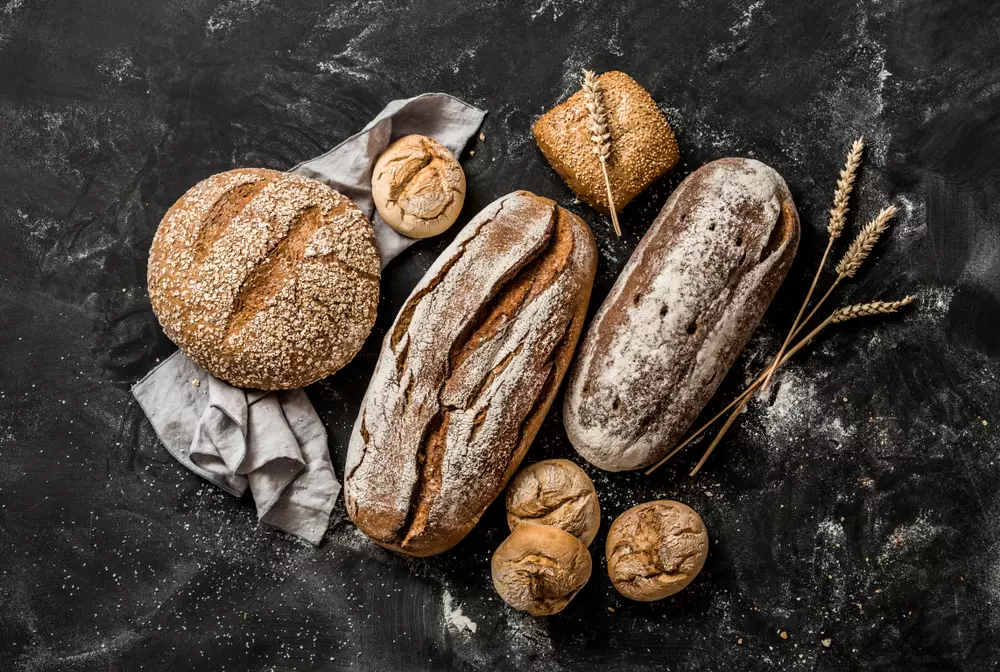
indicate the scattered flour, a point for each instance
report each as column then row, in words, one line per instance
column 453, row 616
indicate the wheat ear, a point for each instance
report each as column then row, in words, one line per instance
column 840, row 315
column 600, row 134
column 838, row 218
column 851, row 262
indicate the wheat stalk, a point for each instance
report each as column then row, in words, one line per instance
column 866, row 309
column 600, row 134
column 862, row 246
column 851, row 262
column 845, row 185
column 838, row 217
column 840, row 315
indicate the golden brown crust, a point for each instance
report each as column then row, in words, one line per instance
column 540, row 569
column 557, row 493
column 643, row 147
column 656, row 549
column 418, row 186
column 266, row 279
column 467, row 374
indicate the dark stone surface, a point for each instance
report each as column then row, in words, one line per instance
column 858, row 503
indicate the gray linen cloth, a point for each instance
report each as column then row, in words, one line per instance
column 274, row 442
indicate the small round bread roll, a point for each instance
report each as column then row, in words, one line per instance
column 557, row 493
column 418, row 186
column 655, row 550
column 539, row 569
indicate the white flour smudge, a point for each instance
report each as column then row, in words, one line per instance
column 453, row 616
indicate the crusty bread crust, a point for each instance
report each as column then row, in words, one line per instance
column 690, row 297
column 467, row 373
column 643, row 147
column 266, row 279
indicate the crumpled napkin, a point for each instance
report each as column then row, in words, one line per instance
column 274, row 442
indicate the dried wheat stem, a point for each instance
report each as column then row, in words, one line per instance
column 838, row 217
column 839, row 315
column 862, row 246
column 845, row 185
column 600, row 134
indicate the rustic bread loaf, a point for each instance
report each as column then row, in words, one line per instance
column 540, row 569
column 557, row 493
column 643, row 147
column 418, row 186
column 266, row 279
column 655, row 550
column 681, row 311
column 467, row 373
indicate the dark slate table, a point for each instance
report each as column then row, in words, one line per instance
column 856, row 504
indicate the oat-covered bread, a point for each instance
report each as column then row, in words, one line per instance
column 557, row 493
column 655, row 550
column 686, row 303
column 467, row 372
column 266, row 279
column 643, row 147
column 540, row 569
column 418, row 186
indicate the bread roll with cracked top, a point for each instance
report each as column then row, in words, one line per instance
column 540, row 569
column 266, row 279
column 686, row 303
column 656, row 549
column 557, row 493
column 418, row 186
column 467, row 372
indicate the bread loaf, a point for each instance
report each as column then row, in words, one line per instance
column 681, row 311
column 467, row 373
column 266, row 279
column 418, row 186
column 655, row 550
column 643, row 147
column 540, row 569
column 557, row 493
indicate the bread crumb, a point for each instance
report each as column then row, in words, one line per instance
column 611, row 609
column 740, row 641
column 196, row 382
column 827, row 643
column 985, row 423
column 472, row 152
column 482, row 136
column 783, row 635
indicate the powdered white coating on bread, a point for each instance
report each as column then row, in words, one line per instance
column 680, row 312
column 266, row 279
column 467, row 372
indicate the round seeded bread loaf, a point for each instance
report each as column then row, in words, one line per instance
column 266, row 279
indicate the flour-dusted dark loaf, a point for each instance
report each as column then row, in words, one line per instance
column 679, row 314
column 266, row 279
column 467, row 373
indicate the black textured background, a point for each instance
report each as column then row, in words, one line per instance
column 858, row 503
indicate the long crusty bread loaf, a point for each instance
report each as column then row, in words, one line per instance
column 266, row 279
column 681, row 311
column 467, row 372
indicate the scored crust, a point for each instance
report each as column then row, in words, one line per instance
column 418, row 186
column 655, row 549
column 557, row 493
column 266, row 279
column 643, row 147
column 467, row 373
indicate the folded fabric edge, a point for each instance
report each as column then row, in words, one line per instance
column 378, row 117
